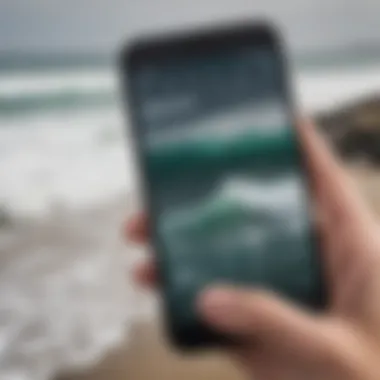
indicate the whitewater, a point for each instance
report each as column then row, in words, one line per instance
column 59, row 157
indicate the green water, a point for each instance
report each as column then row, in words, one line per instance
column 202, row 155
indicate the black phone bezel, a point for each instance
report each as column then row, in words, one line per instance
column 155, row 48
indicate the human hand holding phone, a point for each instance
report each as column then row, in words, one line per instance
column 280, row 340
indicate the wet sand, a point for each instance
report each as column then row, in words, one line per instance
column 148, row 357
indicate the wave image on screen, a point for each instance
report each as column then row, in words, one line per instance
column 230, row 202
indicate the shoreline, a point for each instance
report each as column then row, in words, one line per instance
column 68, row 290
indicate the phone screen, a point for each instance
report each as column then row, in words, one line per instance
column 227, row 188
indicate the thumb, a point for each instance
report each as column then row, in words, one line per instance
column 258, row 317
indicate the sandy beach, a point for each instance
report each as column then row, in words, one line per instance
column 149, row 357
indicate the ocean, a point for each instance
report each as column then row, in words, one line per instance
column 62, row 140
column 63, row 159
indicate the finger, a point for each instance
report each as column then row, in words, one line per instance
column 145, row 274
column 332, row 185
column 136, row 228
column 326, row 239
column 259, row 317
column 339, row 206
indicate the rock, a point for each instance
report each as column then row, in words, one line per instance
column 5, row 217
column 355, row 130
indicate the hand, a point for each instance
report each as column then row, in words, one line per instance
column 283, row 342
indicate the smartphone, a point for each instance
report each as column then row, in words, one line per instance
column 222, row 170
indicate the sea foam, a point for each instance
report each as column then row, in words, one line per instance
column 82, row 157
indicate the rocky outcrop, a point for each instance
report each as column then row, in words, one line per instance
column 5, row 217
column 355, row 130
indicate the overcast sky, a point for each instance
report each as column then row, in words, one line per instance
column 100, row 25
